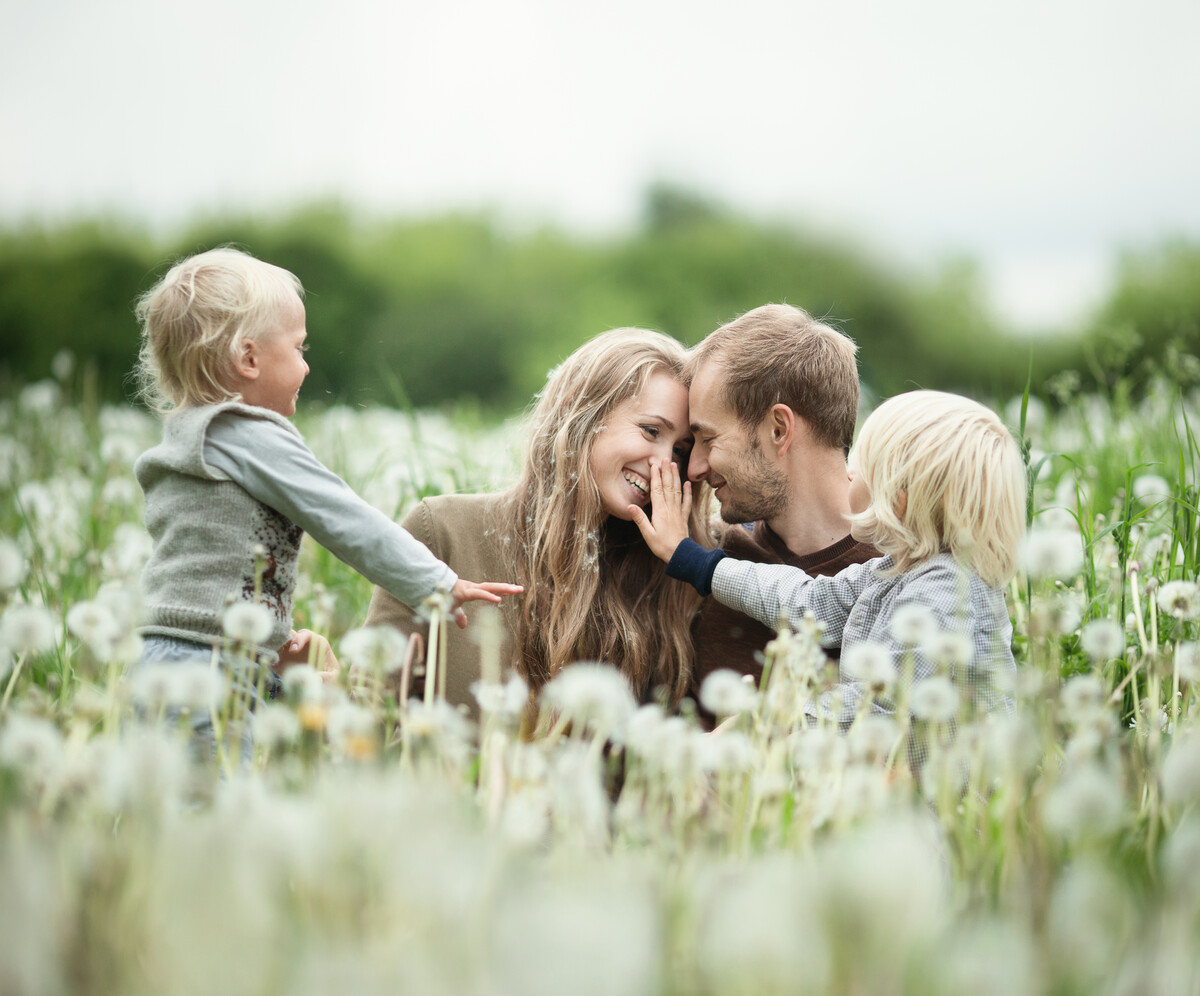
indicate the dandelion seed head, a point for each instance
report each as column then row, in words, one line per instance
column 1187, row 660
column 275, row 725
column 871, row 664
column 871, row 739
column 1150, row 489
column 28, row 629
column 935, row 699
column 506, row 700
column 729, row 752
column 1102, row 640
column 12, row 565
column 913, row 624
column 1052, row 554
column 374, row 648
column 247, row 622
column 1180, row 599
column 95, row 626
column 595, row 695
column 1082, row 695
column 1087, row 802
column 1181, row 771
column 724, row 693
column 31, row 746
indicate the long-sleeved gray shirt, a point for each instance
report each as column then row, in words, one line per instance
column 278, row 469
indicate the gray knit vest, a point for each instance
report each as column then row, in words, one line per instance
column 205, row 530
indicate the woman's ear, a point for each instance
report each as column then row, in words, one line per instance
column 901, row 505
column 247, row 365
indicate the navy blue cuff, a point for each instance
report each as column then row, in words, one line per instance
column 692, row 563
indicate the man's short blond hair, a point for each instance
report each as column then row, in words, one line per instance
column 945, row 476
column 778, row 354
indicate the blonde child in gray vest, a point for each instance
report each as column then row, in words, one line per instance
column 232, row 487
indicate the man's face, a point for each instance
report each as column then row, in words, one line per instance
column 729, row 458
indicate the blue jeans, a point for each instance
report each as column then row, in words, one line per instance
column 243, row 676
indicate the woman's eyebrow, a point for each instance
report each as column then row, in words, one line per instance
column 650, row 416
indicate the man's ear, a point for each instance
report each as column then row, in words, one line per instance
column 783, row 425
column 247, row 364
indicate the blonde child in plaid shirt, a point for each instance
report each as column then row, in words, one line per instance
column 938, row 485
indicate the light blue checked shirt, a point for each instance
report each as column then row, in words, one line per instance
column 860, row 604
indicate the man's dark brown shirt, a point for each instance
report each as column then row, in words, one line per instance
column 725, row 638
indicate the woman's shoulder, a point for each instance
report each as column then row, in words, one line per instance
column 446, row 522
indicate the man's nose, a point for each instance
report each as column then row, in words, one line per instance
column 697, row 468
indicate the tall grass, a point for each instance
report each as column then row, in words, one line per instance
column 376, row 847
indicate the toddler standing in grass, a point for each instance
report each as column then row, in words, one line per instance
column 938, row 485
column 232, row 487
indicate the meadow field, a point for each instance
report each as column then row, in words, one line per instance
column 365, row 847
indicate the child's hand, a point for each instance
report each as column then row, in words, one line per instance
column 306, row 647
column 670, row 505
column 483, row 591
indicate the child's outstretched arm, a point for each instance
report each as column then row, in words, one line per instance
column 670, row 504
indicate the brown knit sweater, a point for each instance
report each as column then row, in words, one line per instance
column 727, row 639
column 468, row 533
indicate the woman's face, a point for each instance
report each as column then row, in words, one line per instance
column 651, row 424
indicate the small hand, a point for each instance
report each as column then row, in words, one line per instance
column 307, row 647
column 670, row 504
column 482, row 591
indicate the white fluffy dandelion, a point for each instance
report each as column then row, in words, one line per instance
column 374, row 648
column 275, row 725
column 1082, row 695
column 1180, row 599
column 12, row 565
column 1187, row 660
column 28, row 629
column 502, row 700
column 198, row 687
column 1102, row 639
column 935, row 699
column 247, row 622
column 1181, row 771
column 1150, row 488
column 954, row 650
column 724, row 693
column 729, row 752
column 1052, row 554
column 95, row 626
column 871, row 664
column 302, row 683
column 1088, row 802
column 595, row 695
column 914, row 625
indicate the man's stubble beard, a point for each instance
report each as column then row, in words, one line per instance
column 766, row 491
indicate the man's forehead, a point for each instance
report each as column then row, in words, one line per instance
column 706, row 399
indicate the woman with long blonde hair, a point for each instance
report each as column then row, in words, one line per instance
column 593, row 590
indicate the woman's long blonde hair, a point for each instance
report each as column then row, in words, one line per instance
column 593, row 589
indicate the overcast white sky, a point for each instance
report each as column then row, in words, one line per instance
column 1040, row 136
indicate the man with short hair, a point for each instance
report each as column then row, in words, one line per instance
column 773, row 399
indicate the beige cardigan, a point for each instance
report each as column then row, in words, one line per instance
column 468, row 533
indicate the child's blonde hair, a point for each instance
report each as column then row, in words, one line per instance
column 945, row 476
column 195, row 320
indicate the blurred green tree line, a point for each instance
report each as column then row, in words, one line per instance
column 408, row 311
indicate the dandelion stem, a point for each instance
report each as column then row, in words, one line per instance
column 12, row 681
